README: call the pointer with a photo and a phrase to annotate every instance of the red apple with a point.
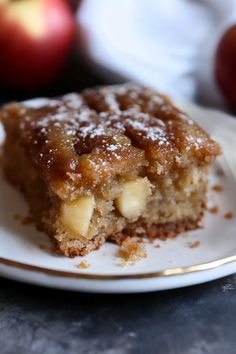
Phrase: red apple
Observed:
(35, 38)
(225, 65)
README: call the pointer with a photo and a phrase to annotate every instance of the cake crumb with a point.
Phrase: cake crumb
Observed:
(218, 188)
(157, 246)
(83, 265)
(16, 217)
(122, 263)
(43, 247)
(132, 251)
(228, 215)
(48, 248)
(25, 220)
(194, 244)
(214, 210)
(220, 173)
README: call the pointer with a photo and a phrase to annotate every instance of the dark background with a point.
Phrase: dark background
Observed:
(194, 320)
(75, 77)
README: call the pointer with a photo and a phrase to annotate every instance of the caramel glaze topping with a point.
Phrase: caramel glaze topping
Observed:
(105, 132)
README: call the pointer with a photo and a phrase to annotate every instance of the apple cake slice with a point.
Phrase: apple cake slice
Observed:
(108, 163)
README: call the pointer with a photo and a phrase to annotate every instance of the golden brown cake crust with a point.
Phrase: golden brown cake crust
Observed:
(91, 136)
(137, 229)
(160, 231)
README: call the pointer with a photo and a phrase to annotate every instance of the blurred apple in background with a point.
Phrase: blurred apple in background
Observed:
(35, 39)
(225, 65)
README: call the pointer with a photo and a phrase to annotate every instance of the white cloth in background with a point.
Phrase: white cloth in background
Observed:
(166, 44)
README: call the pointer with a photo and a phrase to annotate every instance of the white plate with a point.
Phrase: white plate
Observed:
(172, 265)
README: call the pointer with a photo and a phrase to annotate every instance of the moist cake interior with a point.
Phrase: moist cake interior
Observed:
(107, 163)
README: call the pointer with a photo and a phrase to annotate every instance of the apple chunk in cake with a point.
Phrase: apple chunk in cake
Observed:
(108, 163)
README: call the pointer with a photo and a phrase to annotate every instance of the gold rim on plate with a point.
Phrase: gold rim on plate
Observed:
(163, 273)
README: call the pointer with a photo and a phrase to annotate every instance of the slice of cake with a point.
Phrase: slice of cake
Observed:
(108, 163)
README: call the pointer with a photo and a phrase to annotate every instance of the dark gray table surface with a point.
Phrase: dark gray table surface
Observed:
(194, 320)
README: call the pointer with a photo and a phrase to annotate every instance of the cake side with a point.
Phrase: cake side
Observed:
(108, 163)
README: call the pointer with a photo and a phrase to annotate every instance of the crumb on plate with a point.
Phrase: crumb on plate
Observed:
(228, 215)
(48, 248)
(25, 220)
(194, 244)
(220, 173)
(16, 216)
(122, 263)
(218, 188)
(43, 247)
(214, 209)
(83, 265)
(131, 250)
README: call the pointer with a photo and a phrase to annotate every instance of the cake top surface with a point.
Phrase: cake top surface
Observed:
(100, 131)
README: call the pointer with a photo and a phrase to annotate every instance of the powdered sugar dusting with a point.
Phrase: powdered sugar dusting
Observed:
(135, 120)
(154, 133)
(92, 130)
(111, 101)
(73, 100)
(40, 103)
